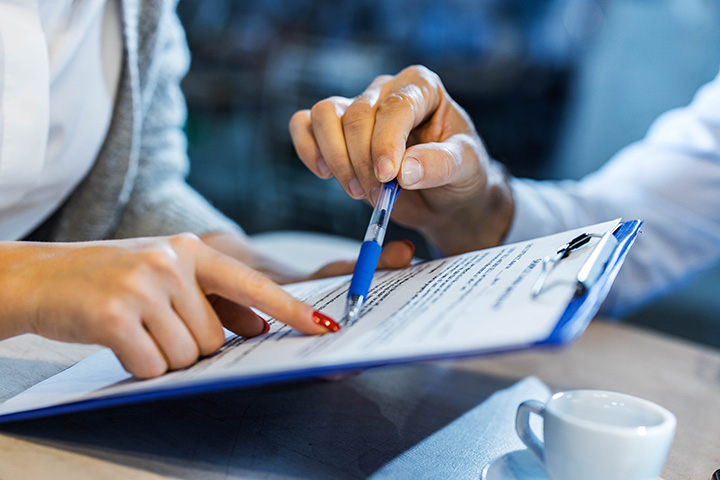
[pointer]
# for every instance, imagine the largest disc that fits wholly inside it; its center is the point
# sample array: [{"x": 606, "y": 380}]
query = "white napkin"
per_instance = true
[{"x": 464, "y": 447}]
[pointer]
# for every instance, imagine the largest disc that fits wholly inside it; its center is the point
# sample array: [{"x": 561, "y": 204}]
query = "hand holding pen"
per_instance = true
[{"x": 407, "y": 128}]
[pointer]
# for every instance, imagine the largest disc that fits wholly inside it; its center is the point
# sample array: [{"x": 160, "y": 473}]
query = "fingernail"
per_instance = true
[
  {"x": 266, "y": 328},
  {"x": 355, "y": 188},
  {"x": 384, "y": 169},
  {"x": 374, "y": 194},
  {"x": 325, "y": 321},
  {"x": 323, "y": 168},
  {"x": 409, "y": 244},
  {"x": 411, "y": 171}
]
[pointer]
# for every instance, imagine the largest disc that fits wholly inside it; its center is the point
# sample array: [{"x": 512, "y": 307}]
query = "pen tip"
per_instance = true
[
  {"x": 346, "y": 318},
  {"x": 352, "y": 309}
]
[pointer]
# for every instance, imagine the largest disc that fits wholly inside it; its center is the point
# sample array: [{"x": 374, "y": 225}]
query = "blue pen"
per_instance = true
[{"x": 370, "y": 251}]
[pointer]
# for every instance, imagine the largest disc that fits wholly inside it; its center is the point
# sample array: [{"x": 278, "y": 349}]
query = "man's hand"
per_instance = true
[{"x": 407, "y": 127}]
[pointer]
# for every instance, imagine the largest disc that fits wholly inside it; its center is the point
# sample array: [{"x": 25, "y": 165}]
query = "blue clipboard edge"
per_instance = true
[
  {"x": 582, "y": 309},
  {"x": 572, "y": 324}
]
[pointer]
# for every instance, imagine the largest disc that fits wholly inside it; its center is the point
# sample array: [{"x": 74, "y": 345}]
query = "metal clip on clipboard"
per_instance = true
[{"x": 591, "y": 269}]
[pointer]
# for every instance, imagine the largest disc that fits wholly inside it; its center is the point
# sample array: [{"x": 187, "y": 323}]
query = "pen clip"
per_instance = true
[{"x": 596, "y": 262}]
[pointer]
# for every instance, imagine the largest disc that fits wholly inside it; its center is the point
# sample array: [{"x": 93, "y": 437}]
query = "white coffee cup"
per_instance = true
[{"x": 595, "y": 434}]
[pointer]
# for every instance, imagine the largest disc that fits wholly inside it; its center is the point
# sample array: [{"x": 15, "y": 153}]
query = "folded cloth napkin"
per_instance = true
[{"x": 464, "y": 447}]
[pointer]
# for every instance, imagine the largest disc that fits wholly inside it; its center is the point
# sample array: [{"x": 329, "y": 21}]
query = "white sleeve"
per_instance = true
[{"x": 670, "y": 180}]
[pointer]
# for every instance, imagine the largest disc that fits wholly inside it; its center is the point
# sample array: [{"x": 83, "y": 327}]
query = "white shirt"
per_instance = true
[
  {"x": 670, "y": 180},
  {"x": 60, "y": 63}
]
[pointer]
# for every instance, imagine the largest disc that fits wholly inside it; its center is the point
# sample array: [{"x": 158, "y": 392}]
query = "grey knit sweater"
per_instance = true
[{"x": 137, "y": 184}]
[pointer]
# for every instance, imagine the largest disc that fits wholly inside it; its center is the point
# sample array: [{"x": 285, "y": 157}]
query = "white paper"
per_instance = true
[{"x": 476, "y": 302}]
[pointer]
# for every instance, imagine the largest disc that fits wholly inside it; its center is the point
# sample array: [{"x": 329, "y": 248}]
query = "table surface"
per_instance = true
[{"x": 347, "y": 428}]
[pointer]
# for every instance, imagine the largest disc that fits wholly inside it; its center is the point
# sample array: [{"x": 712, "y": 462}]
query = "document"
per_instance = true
[{"x": 475, "y": 303}]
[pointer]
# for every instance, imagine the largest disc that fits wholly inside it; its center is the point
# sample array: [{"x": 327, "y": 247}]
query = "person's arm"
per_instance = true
[
  {"x": 670, "y": 180},
  {"x": 157, "y": 299},
  {"x": 161, "y": 202},
  {"x": 159, "y": 303}
]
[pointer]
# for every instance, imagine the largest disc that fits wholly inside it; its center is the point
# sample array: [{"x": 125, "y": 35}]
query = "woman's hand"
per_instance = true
[
  {"x": 158, "y": 303},
  {"x": 407, "y": 127}
]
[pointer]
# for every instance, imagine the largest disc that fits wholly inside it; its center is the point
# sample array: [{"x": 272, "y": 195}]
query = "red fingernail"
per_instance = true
[
  {"x": 325, "y": 321},
  {"x": 266, "y": 328}
]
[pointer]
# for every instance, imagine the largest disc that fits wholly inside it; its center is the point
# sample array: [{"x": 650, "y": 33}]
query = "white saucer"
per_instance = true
[{"x": 517, "y": 465}]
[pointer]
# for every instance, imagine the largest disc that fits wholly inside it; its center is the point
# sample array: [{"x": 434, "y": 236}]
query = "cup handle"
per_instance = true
[{"x": 522, "y": 426}]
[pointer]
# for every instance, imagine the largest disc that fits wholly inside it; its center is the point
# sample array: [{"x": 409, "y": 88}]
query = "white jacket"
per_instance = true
[{"x": 670, "y": 180}]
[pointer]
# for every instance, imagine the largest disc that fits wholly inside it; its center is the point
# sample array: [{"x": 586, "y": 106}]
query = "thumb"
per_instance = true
[{"x": 437, "y": 164}]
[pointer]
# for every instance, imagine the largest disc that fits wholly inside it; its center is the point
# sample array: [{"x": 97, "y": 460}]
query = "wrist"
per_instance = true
[{"x": 16, "y": 289}]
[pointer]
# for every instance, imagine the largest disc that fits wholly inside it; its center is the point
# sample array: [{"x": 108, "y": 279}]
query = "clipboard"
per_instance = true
[{"x": 51, "y": 397}]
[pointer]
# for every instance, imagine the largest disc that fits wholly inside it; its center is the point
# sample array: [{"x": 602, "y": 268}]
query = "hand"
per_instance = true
[
  {"x": 407, "y": 127},
  {"x": 150, "y": 299},
  {"x": 394, "y": 255}
]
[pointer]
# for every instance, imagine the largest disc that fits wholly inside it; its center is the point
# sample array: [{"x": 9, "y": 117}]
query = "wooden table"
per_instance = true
[{"x": 347, "y": 428}]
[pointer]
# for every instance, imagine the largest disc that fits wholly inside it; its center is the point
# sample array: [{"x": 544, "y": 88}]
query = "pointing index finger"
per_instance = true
[{"x": 224, "y": 276}]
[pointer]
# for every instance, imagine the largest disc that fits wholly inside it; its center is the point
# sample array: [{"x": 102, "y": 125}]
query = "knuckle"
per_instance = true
[
  {"x": 398, "y": 98},
  {"x": 356, "y": 116},
  {"x": 214, "y": 340},
  {"x": 415, "y": 69},
  {"x": 407, "y": 96},
  {"x": 421, "y": 72},
  {"x": 151, "y": 368},
  {"x": 380, "y": 79},
  {"x": 185, "y": 357},
  {"x": 400, "y": 102},
  {"x": 115, "y": 319},
  {"x": 421, "y": 81},
  {"x": 298, "y": 119},
  {"x": 323, "y": 109},
  {"x": 185, "y": 240},
  {"x": 132, "y": 284},
  {"x": 162, "y": 259}
]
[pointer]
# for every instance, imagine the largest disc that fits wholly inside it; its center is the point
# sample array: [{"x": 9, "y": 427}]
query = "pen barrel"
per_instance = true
[
  {"x": 381, "y": 213},
  {"x": 365, "y": 268}
]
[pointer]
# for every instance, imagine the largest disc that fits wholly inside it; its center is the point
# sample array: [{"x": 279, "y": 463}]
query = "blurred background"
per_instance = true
[{"x": 555, "y": 87}]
